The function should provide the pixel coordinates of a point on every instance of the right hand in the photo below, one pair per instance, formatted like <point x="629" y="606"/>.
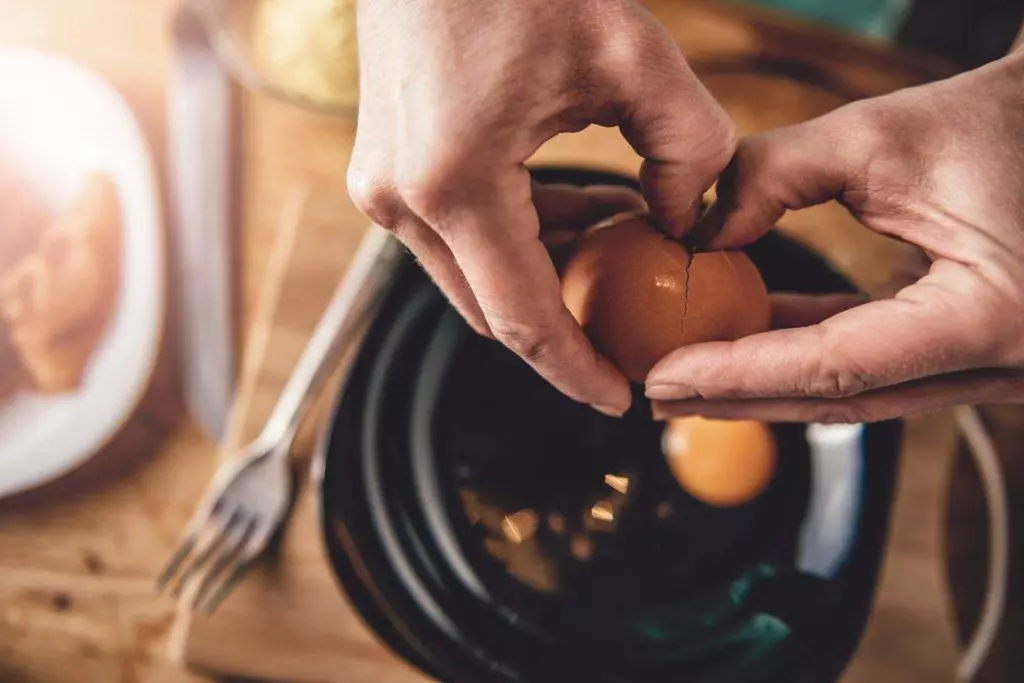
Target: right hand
<point x="458" y="94"/>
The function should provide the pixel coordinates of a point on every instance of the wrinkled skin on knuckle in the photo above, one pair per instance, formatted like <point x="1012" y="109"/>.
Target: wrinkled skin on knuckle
<point x="708" y="133"/>
<point x="833" y="381"/>
<point x="718" y="146"/>
<point x="530" y="342"/>
<point x="834" y="374"/>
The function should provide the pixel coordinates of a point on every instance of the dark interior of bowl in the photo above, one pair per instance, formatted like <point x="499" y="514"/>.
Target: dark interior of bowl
<point x="490" y="529"/>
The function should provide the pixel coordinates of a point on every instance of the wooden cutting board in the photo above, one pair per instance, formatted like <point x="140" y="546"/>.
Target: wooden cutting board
<point x="288" y="620"/>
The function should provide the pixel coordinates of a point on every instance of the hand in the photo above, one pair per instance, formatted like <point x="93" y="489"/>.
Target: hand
<point x="458" y="94"/>
<point x="939" y="166"/>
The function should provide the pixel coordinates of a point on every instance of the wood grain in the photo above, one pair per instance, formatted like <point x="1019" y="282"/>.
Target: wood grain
<point x="77" y="559"/>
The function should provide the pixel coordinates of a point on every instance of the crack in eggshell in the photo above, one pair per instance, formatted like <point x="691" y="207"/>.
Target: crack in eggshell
<point x="686" y="296"/>
<point x="639" y="295"/>
<point x="685" y="268"/>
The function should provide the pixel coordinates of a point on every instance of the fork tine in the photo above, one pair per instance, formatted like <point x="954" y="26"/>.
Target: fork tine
<point x="253" y="547"/>
<point x="224" y="589"/>
<point x="230" y="552"/>
<point x="182" y="552"/>
<point x="187" y="543"/>
<point x="209" y="541"/>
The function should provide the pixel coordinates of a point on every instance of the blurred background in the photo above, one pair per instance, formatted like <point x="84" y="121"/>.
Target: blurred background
<point x="968" y="32"/>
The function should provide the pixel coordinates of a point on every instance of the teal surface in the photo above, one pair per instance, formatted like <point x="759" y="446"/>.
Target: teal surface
<point x="874" y="18"/>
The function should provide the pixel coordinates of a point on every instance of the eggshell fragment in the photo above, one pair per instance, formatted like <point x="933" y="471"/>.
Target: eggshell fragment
<point x="639" y="295"/>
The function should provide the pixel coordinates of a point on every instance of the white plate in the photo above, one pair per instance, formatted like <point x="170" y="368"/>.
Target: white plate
<point x="58" y="121"/>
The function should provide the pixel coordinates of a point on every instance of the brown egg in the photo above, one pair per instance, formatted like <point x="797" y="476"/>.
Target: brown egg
<point x="719" y="462"/>
<point x="639" y="295"/>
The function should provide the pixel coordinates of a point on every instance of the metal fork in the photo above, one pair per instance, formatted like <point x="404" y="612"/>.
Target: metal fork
<point x="250" y="494"/>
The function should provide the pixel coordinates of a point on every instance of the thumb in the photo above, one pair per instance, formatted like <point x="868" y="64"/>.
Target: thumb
<point x="790" y="168"/>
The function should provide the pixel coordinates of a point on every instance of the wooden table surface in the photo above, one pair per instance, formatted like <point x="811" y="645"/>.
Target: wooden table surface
<point x="77" y="559"/>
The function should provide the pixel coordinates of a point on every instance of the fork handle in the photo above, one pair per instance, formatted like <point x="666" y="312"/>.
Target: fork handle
<point x="353" y="302"/>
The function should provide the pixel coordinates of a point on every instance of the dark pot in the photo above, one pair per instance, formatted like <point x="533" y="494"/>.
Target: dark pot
<point x="456" y="486"/>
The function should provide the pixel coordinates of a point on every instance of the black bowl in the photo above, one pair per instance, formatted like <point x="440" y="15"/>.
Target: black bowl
<point x="489" y="529"/>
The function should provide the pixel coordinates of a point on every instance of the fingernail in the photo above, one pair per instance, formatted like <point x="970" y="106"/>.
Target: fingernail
<point x="610" y="411"/>
<point x="669" y="392"/>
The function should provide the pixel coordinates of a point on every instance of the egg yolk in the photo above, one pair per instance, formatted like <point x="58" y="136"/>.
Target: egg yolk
<point x="719" y="462"/>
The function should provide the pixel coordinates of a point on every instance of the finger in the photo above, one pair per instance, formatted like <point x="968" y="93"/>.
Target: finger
<point x="495" y="242"/>
<point x="684" y="136"/>
<point x="771" y="173"/>
<point x="800" y="310"/>
<point x="566" y="210"/>
<point x="372" y="191"/>
<point x="568" y="207"/>
<point x="905" y="400"/>
<point x="436" y="259"/>
<point x="922" y="332"/>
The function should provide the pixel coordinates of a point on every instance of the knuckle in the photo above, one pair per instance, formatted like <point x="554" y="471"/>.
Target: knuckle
<point x="720" y="145"/>
<point x="430" y="190"/>
<point x="838" y="381"/>
<point x="532" y="343"/>
<point x="881" y="142"/>
<point x="623" y="44"/>
<point x="865" y="128"/>
<point x="374" y="195"/>
<point x="833" y="374"/>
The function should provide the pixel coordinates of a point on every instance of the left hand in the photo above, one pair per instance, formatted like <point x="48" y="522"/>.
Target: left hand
<point x="939" y="166"/>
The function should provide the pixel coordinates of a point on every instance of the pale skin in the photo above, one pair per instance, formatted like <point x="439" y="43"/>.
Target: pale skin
<point x="939" y="166"/>
<point x="458" y="94"/>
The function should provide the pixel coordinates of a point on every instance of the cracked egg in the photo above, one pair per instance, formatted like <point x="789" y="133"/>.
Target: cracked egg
<point x="639" y="295"/>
